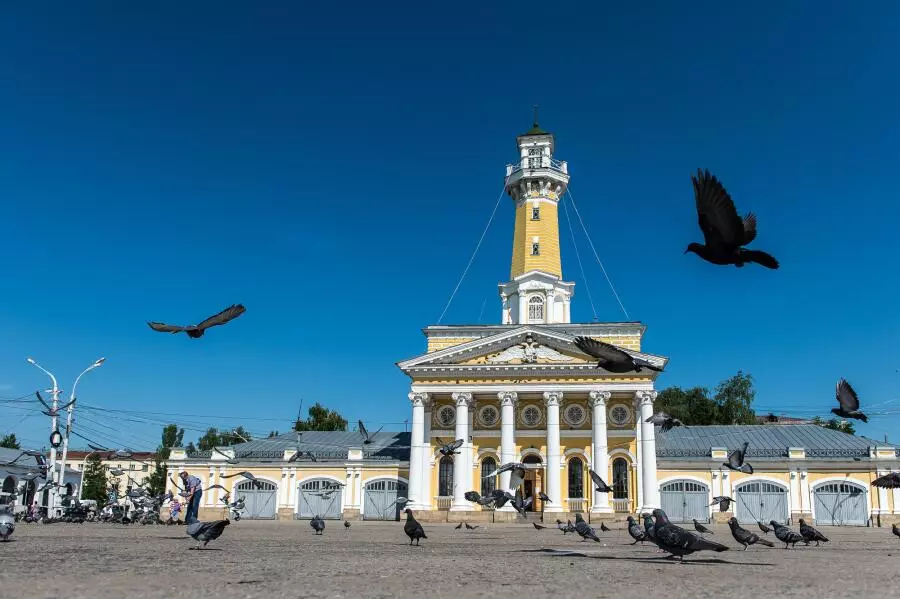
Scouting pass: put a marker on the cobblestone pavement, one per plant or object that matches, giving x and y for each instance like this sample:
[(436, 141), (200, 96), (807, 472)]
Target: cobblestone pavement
[(373, 559)]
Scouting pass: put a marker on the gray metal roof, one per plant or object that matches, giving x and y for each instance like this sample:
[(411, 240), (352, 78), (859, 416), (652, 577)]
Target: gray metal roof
[(766, 441), (324, 445)]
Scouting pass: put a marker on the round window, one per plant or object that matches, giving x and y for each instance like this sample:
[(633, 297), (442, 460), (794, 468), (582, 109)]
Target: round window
[(575, 415), (488, 416), (619, 415), (446, 416), (531, 416)]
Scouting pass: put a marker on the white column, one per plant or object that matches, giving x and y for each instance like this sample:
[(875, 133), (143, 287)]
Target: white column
[(552, 400), (207, 497), (795, 493), (425, 496), (883, 495), (523, 309), (600, 450), (508, 401), (648, 445), (636, 468), (416, 448), (462, 474), (470, 447)]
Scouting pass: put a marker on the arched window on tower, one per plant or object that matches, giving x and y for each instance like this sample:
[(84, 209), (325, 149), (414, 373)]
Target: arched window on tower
[(576, 478), (536, 309), (445, 477), (488, 466)]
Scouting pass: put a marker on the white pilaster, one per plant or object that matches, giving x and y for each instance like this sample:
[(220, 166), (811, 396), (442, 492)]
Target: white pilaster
[(896, 497), (600, 449), (208, 498), (462, 472), (805, 495), (416, 449), (796, 507), (283, 488), (426, 501), (508, 401), (640, 457), (648, 453), (883, 507), (552, 400)]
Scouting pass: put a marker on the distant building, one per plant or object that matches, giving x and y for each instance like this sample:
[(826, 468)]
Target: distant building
[(136, 469), (781, 419), (19, 485)]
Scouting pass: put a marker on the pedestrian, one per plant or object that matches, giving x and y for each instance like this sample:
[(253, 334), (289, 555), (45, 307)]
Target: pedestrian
[(192, 486)]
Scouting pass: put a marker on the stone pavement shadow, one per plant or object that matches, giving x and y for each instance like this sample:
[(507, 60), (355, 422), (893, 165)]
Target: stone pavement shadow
[(647, 560)]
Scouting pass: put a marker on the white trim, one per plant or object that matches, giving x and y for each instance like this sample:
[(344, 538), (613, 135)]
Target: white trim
[(758, 478), (318, 477), (488, 453), (536, 387), (233, 491), (527, 451), (573, 451), (622, 452)]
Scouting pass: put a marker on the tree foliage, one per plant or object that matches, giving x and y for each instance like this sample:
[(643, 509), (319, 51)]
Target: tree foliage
[(213, 438), (172, 436), (321, 419), (731, 404), (95, 486), (10, 442), (844, 426)]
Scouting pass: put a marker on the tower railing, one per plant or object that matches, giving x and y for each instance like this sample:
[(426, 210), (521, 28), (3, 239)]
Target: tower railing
[(546, 162)]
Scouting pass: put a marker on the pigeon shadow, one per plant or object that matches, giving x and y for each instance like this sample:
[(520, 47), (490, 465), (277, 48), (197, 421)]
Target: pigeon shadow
[(204, 548), (648, 560)]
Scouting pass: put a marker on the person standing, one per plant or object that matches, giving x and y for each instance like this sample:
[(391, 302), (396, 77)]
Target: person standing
[(192, 486)]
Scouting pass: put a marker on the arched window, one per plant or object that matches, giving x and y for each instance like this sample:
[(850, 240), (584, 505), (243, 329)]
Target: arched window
[(445, 477), (620, 478), (576, 478), (488, 466), (536, 309)]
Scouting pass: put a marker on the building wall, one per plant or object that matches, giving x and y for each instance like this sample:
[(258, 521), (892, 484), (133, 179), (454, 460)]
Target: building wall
[(546, 230)]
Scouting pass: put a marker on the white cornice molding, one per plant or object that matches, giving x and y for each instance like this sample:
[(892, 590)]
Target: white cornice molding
[(585, 388)]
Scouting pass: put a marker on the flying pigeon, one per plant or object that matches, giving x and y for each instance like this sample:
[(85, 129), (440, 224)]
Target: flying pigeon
[(248, 475), (204, 532), (701, 529), (678, 541), (736, 460), (412, 528), (724, 232), (611, 358), (317, 524), (449, 449), (636, 532), (521, 505), (604, 527), (539, 527), (744, 536), (196, 331), (543, 497), (764, 528), (584, 529), (664, 421), (786, 535), (7, 523), (401, 501), (516, 474), (367, 438), (211, 487), (888, 481), (848, 401), (469, 526), (723, 501), (602, 487), (811, 534), (458, 526)]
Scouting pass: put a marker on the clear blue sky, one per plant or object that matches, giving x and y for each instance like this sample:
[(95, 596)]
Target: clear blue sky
[(332, 167)]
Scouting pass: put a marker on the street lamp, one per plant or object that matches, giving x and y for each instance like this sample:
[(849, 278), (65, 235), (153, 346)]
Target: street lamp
[(65, 449), (51, 470)]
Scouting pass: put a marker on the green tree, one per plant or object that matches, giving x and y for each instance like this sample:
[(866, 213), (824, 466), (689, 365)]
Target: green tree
[(172, 436), (321, 419), (238, 435), (273, 434), (844, 426), (209, 440), (10, 442), (734, 400), (730, 405), (95, 486), (691, 406), (190, 448)]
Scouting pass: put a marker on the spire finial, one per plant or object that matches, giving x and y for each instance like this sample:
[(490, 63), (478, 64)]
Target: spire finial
[(535, 115)]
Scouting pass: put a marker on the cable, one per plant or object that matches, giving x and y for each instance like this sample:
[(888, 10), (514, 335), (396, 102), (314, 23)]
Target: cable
[(580, 266)]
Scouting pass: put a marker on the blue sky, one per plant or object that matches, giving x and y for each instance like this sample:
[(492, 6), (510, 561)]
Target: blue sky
[(332, 167)]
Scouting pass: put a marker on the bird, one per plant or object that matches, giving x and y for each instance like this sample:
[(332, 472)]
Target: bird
[(560, 526), (521, 505), (764, 528), (744, 536), (584, 529), (7, 523), (367, 438), (724, 232), (449, 449), (570, 527), (736, 460), (539, 527), (786, 535), (723, 502), (895, 529), (412, 528), (888, 481), (848, 402), (211, 487), (811, 534), (602, 487), (469, 526), (636, 532), (346, 524), (701, 529), (204, 532), (664, 421), (516, 474), (458, 526), (195, 331), (611, 358), (317, 525), (678, 541), (248, 475), (604, 527), (544, 497), (497, 498)]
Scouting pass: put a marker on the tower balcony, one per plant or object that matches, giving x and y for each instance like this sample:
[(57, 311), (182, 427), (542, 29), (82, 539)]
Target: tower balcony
[(538, 164), (547, 173)]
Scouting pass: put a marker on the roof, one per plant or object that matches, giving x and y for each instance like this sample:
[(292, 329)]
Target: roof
[(80, 454), (769, 441), (535, 130), (776, 419), (324, 445)]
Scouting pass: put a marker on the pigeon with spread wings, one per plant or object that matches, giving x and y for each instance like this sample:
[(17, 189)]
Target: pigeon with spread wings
[(195, 331), (601, 485), (664, 421), (848, 401), (516, 474), (367, 438), (611, 358), (449, 449)]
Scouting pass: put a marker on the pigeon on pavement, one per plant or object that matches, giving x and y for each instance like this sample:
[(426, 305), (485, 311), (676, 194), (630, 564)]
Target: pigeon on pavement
[(701, 529), (764, 528), (895, 529), (811, 534), (317, 525), (584, 529), (539, 527), (611, 358), (204, 532), (736, 460), (412, 528), (848, 402), (744, 536), (636, 532), (458, 526), (786, 535), (346, 524), (469, 526), (678, 541), (664, 421), (604, 527)]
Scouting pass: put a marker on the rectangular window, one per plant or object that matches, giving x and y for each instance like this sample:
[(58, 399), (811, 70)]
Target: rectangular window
[(145, 468), (535, 249), (536, 213)]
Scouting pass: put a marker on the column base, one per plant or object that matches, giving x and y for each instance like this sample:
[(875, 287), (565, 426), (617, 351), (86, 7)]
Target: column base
[(461, 508), (648, 509), (553, 509), (602, 509)]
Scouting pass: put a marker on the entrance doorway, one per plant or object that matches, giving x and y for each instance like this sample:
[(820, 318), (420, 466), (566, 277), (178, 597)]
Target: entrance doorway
[(534, 482)]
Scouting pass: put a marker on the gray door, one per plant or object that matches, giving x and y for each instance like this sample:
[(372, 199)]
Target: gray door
[(320, 497), (259, 504), (685, 500), (841, 504), (381, 499), (760, 501)]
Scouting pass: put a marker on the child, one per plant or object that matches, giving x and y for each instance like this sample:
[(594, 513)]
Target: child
[(174, 510)]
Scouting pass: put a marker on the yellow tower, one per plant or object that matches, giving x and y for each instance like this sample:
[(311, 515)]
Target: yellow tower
[(536, 183)]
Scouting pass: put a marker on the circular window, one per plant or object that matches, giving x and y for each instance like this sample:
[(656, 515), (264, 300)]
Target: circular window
[(619, 415), (446, 416), (575, 415), (488, 416), (531, 416)]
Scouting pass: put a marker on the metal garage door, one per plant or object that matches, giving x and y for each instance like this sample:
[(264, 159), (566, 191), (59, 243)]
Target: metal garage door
[(685, 500), (381, 499), (259, 504), (760, 501), (320, 497), (841, 504)]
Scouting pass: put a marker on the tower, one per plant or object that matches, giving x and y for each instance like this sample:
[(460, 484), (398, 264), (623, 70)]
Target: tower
[(536, 293)]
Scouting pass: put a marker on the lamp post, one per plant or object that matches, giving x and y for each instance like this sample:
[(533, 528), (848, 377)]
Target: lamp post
[(65, 448), (51, 470)]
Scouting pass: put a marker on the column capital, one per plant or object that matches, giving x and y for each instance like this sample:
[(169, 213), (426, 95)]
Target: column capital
[(419, 398), (553, 398), (508, 398), (644, 398), (462, 398), (599, 398)]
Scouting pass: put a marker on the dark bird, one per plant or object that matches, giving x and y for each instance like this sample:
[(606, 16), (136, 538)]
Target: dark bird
[(195, 331), (584, 529), (412, 528), (601, 486), (544, 497), (786, 535), (723, 502), (449, 449), (7, 523), (764, 528), (811, 534), (497, 498), (458, 526), (636, 532), (539, 527), (664, 421), (895, 529), (469, 526), (346, 524), (570, 527), (604, 527), (563, 527), (317, 525), (516, 474), (888, 481), (367, 438), (724, 232), (744, 536), (611, 358), (204, 532), (701, 529), (736, 460), (649, 527), (848, 402), (521, 505), (248, 475), (678, 541)]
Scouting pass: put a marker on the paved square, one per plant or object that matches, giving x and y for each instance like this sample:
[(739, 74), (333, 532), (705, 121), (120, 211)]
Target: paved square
[(373, 559)]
